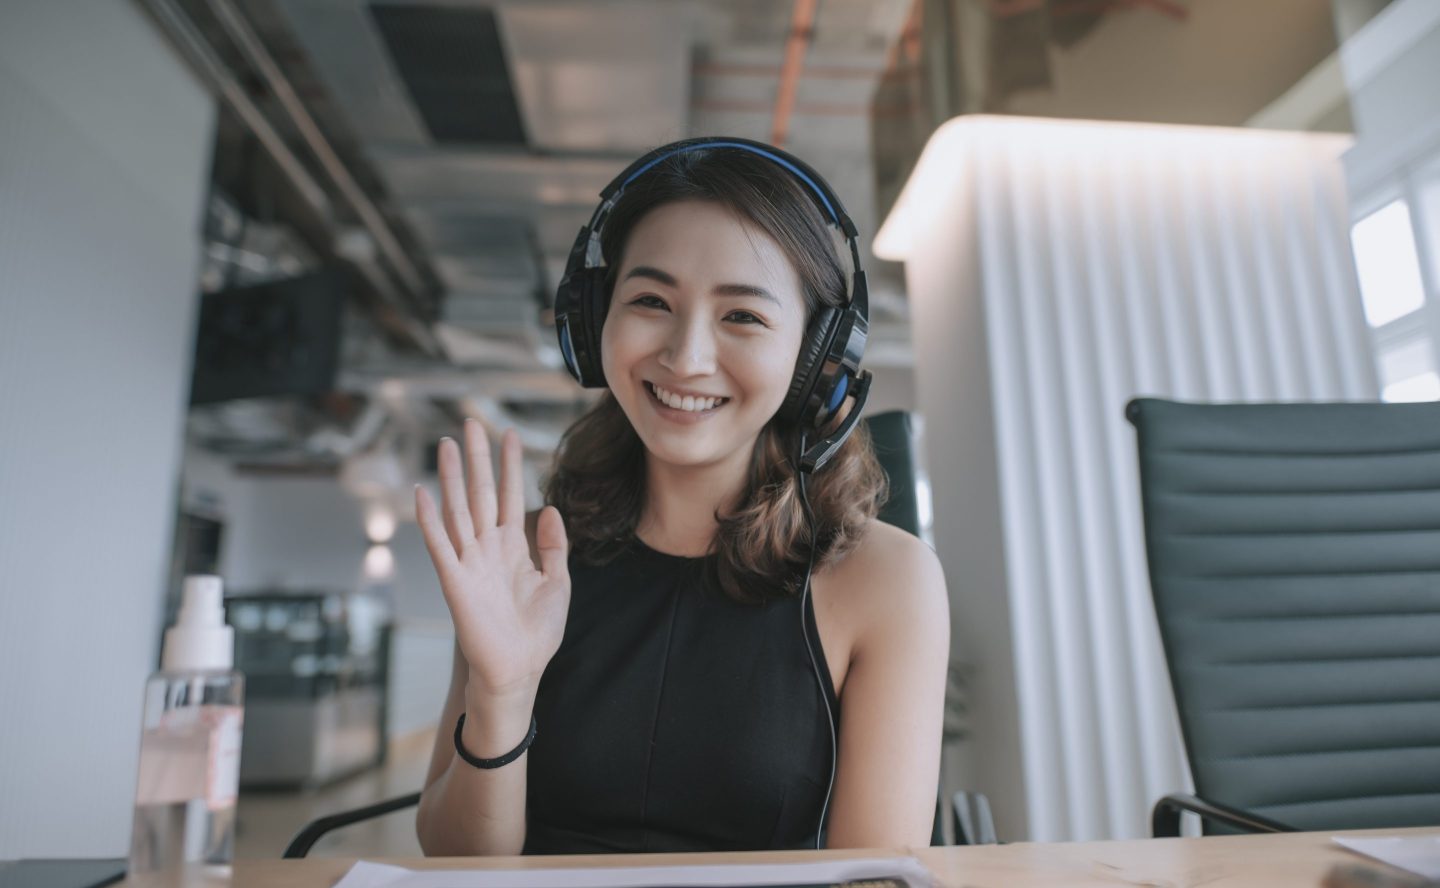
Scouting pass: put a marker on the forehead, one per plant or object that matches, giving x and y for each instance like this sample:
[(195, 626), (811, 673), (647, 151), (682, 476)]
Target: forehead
[(703, 243)]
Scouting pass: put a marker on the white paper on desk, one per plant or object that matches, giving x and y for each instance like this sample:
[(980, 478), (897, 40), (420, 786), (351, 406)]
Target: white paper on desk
[(365, 874), (1418, 854)]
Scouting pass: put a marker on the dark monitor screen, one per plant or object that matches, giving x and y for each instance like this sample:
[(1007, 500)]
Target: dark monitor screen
[(278, 338)]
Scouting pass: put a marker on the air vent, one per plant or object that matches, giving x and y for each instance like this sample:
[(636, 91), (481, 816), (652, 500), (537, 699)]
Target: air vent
[(453, 63)]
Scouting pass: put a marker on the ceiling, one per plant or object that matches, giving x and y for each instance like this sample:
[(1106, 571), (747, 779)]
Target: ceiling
[(483, 131), (595, 84)]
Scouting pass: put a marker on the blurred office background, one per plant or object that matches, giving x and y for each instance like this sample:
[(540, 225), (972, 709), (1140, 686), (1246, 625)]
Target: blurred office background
[(257, 256)]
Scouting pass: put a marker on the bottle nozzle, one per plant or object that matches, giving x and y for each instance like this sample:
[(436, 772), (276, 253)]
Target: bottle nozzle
[(199, 639)]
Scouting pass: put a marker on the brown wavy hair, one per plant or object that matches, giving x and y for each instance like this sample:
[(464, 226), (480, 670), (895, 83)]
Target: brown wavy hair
[(763, 544)]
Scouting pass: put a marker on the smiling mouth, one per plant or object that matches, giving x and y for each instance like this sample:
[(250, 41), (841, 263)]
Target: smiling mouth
[(687, 404)]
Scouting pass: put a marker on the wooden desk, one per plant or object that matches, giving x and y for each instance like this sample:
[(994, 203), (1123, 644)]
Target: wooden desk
[(1217, 862)]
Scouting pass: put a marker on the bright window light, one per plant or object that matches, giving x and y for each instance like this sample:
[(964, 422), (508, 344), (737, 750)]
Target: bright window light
[(1406, 359), (1425, 387), (1388, 266)]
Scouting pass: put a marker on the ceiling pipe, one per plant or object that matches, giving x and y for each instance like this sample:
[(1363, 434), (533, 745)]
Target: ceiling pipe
[(813, 72), (811, 110), (249, 43), (202, 57), (802, 31), (207, 65)]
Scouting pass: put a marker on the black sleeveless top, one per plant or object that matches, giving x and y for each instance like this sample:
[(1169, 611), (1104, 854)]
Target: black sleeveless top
[(674, 718)]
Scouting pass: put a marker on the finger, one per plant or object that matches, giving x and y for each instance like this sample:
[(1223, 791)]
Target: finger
[(452, 497), (512, 481), (552, 543), (480, 483), (440, 549)]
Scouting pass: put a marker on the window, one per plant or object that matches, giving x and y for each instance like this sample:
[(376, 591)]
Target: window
[(1397, 260), (1389, 268), (1407, 371)]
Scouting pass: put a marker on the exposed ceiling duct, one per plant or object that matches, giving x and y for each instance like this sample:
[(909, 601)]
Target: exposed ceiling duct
[(449, 150)]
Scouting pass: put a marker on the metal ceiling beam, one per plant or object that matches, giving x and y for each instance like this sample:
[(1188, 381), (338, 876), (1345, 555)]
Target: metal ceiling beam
[(214, 73), (254, 50), (218, 78)]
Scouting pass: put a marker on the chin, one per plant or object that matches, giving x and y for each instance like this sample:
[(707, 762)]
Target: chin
[(670, 453)]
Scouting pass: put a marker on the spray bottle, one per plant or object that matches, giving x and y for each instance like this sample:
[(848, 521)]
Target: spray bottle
[(190, 746)]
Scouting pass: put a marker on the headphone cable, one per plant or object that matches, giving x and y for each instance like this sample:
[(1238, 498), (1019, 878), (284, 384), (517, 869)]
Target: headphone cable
[(805, 633)]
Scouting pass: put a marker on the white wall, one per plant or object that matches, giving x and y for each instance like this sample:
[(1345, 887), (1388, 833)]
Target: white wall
[(953, 393), (104, 154)]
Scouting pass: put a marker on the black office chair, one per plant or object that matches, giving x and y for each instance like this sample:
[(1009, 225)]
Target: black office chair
[(1294, 554), (893, 434)]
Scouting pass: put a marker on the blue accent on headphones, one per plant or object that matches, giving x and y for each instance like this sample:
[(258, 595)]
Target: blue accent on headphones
[(841, 387)]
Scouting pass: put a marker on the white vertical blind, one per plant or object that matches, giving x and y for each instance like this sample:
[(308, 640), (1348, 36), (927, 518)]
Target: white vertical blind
[(1113, 261)]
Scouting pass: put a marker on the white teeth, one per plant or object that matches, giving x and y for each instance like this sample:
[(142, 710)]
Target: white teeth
[(688, 403)]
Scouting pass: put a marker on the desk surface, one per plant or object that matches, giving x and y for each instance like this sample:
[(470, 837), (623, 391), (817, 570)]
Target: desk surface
[(1216, 862)]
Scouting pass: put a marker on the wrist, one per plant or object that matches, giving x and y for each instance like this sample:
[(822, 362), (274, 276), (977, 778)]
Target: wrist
[(495, 724), (488, 763)]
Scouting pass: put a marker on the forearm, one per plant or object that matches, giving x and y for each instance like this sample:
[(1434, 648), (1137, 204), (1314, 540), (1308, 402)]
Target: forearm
[(474, 811)]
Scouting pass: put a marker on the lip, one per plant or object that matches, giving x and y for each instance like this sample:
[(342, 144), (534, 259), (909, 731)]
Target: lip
[(683, 392), (680, 417)]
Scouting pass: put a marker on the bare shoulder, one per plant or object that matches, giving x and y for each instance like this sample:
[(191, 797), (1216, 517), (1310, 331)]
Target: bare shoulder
[(889, 581)]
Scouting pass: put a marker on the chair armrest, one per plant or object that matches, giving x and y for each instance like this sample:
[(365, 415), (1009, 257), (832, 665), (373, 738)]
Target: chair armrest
[(1165, 818), (312, 831)]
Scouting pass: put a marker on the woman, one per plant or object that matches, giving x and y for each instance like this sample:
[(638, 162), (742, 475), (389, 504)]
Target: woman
[(647, 629)]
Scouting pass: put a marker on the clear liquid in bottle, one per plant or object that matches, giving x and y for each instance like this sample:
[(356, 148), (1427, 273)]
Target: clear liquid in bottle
[(185, 795)]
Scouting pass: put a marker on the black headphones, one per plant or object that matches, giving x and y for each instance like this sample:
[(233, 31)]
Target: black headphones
[(828, 367)]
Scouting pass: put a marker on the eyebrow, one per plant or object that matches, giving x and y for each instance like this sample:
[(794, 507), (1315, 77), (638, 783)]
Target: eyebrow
[(664, 277)]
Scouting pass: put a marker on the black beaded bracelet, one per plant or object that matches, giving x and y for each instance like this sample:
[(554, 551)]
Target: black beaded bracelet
[(503, 760)]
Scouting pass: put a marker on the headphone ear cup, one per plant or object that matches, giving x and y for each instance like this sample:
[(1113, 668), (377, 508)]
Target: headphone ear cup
[(808, 365), (596, 306), (582, 296)]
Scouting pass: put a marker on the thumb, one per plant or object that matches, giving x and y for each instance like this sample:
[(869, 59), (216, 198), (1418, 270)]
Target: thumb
[(551, 542)]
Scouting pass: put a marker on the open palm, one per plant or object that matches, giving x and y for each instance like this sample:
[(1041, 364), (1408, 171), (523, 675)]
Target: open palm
[(509, 614)]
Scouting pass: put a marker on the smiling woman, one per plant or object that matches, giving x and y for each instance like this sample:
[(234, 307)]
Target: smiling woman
[(717, 637), (690, 248)]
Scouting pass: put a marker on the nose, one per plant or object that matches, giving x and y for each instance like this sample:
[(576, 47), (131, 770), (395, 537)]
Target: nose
[(689, 347)]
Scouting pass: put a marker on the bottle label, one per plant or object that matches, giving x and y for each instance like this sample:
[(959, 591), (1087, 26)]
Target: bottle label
[(224, 757), (192, 753)]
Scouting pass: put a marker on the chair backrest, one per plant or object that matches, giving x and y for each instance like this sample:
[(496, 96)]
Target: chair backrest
[(1294, 554), (893, 435)]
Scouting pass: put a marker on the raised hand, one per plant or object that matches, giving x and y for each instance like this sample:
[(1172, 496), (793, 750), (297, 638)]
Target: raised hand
[(509, 614)]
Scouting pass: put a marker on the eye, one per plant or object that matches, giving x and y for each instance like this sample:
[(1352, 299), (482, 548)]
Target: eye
[(745, 317), (657, 303)]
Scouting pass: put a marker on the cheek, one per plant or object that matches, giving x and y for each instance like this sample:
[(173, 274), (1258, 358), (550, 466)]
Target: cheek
[(767, 372), (619, 347)]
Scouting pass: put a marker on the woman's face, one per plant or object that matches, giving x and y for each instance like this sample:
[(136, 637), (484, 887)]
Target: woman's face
[(705, 306)]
